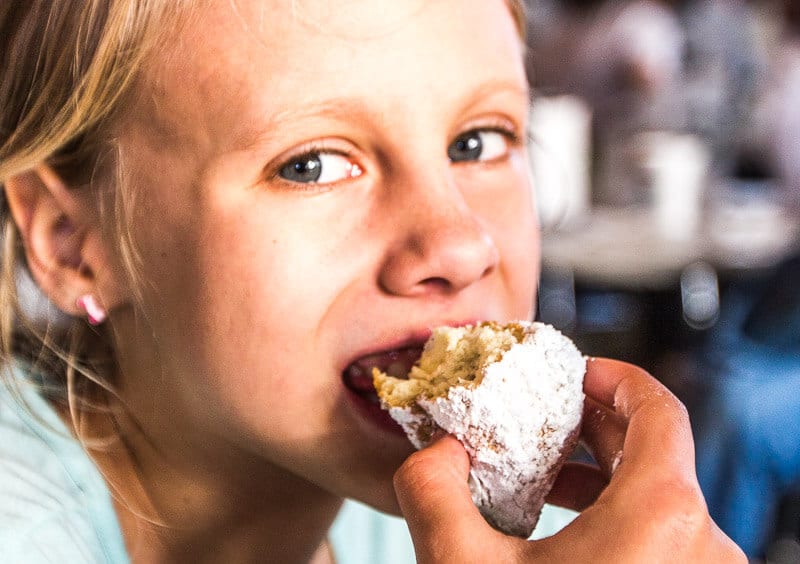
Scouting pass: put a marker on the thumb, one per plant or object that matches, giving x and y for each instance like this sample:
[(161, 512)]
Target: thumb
[(434, 496)]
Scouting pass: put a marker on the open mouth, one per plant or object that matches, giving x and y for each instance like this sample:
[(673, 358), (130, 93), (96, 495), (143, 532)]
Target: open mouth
[(358, 376)]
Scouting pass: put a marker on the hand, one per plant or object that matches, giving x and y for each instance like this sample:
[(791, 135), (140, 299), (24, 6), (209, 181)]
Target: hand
[(648, 509)]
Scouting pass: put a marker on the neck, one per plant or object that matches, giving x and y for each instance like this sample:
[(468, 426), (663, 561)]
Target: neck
[(250, 536), (220, 506)]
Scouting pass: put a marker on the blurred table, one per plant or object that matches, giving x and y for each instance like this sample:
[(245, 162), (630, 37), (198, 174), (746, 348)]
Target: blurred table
[(624, 248)]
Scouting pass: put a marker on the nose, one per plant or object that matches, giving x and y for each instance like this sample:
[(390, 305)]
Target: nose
[(441, 244)]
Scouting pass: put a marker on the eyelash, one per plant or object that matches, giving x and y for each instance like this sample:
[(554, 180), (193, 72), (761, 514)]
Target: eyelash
[(508, 131), (306, 151), (312, 149)]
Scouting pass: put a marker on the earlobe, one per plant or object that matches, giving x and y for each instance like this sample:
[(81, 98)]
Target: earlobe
[(56, 236)]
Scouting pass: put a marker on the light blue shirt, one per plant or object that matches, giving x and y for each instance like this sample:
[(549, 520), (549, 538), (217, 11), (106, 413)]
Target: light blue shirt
[(56, 507), (54, 504)]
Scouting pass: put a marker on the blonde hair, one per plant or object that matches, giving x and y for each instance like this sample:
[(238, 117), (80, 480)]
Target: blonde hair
[(68, 67)]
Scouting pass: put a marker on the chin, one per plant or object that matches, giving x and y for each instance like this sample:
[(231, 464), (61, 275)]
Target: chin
[(371, 480), (380, 497)]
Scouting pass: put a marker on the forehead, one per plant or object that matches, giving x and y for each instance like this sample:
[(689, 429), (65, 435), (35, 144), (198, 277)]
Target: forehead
[(239, 59)]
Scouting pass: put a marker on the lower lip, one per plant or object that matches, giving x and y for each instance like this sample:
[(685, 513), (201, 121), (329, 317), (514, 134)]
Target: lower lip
[(373, 413)]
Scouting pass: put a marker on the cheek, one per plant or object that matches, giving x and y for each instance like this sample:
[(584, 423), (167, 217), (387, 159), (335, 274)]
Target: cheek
[(521, 261), (508, 212), (252, 275), (237, 307), (255, 284)]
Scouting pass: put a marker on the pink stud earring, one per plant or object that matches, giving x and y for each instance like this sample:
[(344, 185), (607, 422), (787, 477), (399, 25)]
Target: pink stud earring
[(94, 311)]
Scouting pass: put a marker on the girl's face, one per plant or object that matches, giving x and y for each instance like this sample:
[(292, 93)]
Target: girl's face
[(319, 184)]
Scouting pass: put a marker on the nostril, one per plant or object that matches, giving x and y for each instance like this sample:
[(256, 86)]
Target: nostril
[(436, 283), (442, 284)]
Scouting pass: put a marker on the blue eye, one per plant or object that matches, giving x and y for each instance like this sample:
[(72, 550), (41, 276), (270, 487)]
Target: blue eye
[(319, 168), (307, 168), (478, 145)]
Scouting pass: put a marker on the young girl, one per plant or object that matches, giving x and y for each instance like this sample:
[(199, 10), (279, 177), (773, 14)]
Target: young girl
[(241, 206)]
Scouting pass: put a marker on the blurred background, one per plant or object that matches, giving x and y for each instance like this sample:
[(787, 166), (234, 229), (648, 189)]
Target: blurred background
[(666, 157)]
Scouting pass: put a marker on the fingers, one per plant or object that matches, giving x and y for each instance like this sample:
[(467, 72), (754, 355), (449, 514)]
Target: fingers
[(658, 430), (603, 432), (433, 493), (652, 508), (603, 377)]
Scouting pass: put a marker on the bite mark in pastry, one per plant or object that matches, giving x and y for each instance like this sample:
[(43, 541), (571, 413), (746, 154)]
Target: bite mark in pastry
[(511, 394)]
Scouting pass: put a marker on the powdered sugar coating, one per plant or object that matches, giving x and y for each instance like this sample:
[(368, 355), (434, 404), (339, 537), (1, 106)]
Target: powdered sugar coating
[(518, 425)]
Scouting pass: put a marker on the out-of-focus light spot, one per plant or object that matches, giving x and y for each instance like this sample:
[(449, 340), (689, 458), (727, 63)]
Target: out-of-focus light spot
[(700, 295)]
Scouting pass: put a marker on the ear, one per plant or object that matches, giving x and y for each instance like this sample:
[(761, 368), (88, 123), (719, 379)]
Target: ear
[(62, 240)]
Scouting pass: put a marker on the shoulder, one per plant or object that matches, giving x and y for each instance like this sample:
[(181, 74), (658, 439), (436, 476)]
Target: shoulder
[(54, 506)]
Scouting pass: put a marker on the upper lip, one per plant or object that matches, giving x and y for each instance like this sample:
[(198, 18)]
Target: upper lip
[(409, 339)]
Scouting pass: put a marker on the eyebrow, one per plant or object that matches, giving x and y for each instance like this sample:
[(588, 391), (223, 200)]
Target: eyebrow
[(493, 86), (350, 107), (331, 108)]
